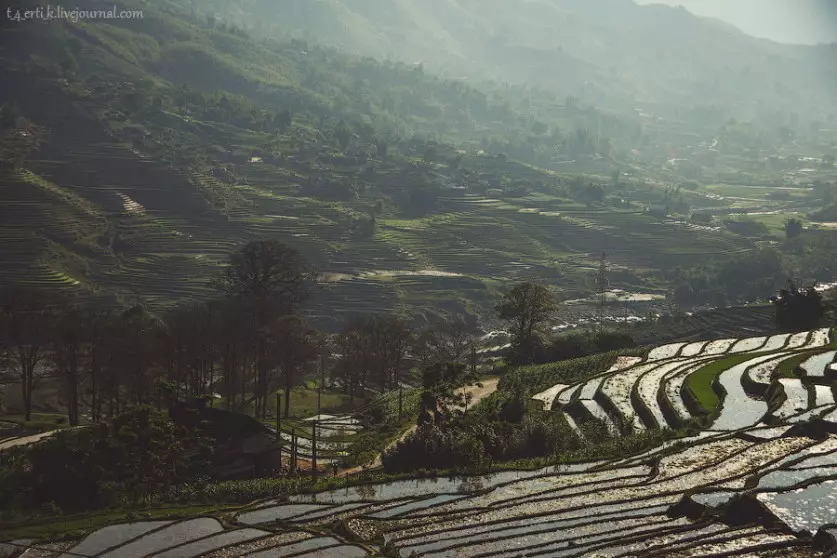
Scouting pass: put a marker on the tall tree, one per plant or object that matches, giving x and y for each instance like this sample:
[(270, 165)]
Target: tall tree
[(98, 323), (526, 308), (294, 344), (233, 332), (138, 333), (447, 341), (793, 227), (798, 309), (269, 279), (66, 353), (268, 270), (374, 350), (28, 320)]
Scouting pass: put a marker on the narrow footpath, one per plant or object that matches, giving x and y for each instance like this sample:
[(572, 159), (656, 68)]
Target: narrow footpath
[(477, 393)]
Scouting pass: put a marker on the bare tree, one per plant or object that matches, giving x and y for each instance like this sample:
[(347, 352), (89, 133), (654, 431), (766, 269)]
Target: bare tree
[(28, 320), (374, 349), (447, 341), (294, 343), (97, 325), (526, 308), (268, 269), (66, 353)]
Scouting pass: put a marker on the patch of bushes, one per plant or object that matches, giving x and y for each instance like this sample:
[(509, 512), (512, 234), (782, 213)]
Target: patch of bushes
[(126, 460), (471, 444)]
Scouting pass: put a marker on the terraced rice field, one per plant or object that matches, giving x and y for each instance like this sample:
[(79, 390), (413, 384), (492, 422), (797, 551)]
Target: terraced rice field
[(759, 480), (678, 502), (171, 234), (333, 433)]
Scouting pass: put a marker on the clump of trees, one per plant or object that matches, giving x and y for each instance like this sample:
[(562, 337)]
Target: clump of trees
[(125, 460), (793, 228), (244, 343), (526, 309), (798, 309)]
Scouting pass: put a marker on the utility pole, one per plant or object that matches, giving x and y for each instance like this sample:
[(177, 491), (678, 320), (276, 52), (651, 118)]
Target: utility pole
[(293, 452), (626, 315), (473, 364), (320, 389), (278, 417), (400, 400), (314, 451), (601, 285)]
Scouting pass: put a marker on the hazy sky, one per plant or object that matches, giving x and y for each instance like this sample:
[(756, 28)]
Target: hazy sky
[(787, 21)]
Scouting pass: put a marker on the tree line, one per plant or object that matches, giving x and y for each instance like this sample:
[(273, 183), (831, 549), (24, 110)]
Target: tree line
[(243, 344)]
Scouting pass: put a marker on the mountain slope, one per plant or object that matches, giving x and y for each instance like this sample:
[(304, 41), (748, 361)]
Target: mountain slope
[(611, 52), (172, 140)]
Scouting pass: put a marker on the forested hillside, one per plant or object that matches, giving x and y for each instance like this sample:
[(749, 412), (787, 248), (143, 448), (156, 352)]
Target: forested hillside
[(138, 154), (612, 53)]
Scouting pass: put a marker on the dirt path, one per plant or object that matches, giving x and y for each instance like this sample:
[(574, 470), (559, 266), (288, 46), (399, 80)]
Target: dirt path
[(489, 386), (26, 440), (479, 393)]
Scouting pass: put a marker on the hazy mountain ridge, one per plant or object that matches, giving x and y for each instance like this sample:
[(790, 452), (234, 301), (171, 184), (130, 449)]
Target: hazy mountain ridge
[(613, 53)]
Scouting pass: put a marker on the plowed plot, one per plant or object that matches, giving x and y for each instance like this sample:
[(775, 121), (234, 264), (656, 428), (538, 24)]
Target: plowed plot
[(693, 349), (580, 537), (718, 347), (549, 395), (157, 541), (763, 373), (673, 388), (739, 546), (596, 412), (798, 340), (823, 395), (819, 338), (114, 535)]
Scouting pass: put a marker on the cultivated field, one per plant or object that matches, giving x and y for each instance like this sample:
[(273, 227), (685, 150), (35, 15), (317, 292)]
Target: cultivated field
[(758, 480)]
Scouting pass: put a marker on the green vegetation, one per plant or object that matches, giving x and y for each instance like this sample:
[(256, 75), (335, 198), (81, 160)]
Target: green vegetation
[(130, 459), (787, 368), (700, 384), (402, 215), (378, 162)]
